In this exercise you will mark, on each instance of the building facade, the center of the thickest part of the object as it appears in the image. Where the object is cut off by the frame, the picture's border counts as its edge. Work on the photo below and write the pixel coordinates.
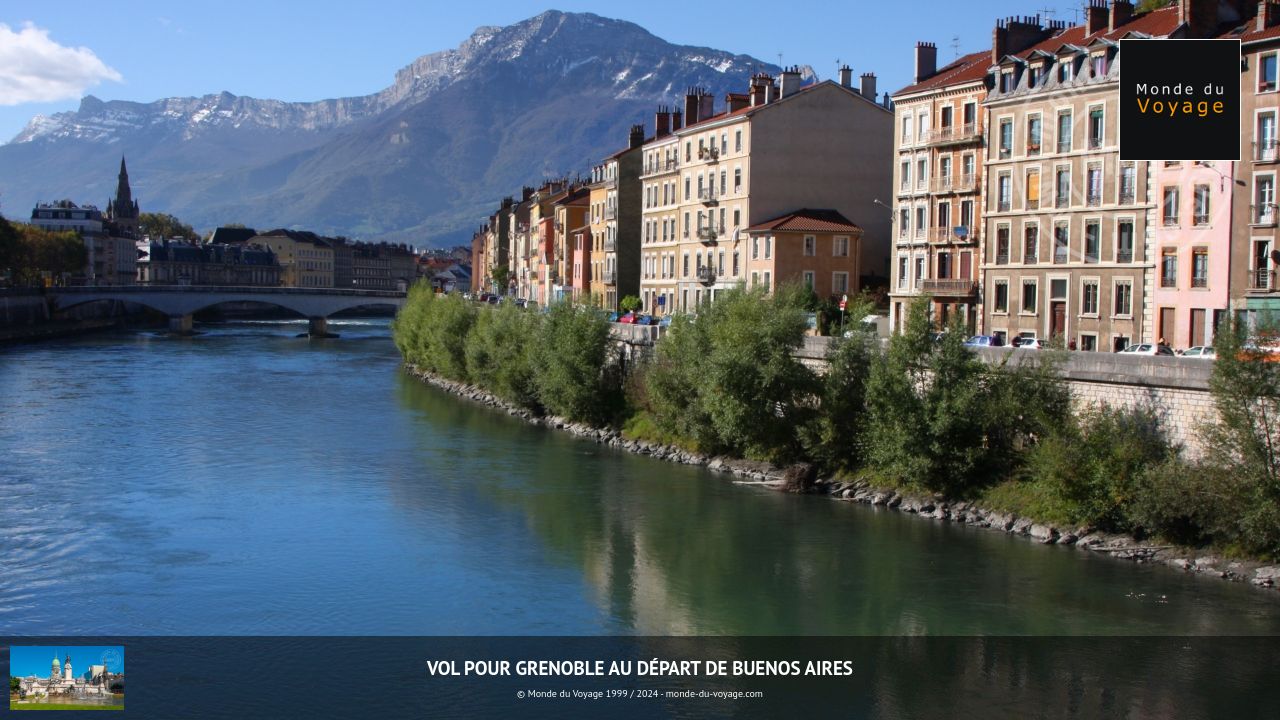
(818, 248)
(172, 262)
(306, 260)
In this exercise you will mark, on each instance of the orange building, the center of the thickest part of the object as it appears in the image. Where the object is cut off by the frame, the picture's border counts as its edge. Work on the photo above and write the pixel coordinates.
(819, 248)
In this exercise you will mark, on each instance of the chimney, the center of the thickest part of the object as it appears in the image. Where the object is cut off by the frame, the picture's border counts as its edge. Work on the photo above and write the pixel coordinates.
(868, 88)
(677, 120)
(1095, 16)
(691, 106)
(526, 193)
(926, 60)
(759, 82)
(1015, 34)
(1121, 11)
(636, 139)
(770, 92)
(662, 122)
(1268, 14)
(735, 101)
(846, 76)
(790, 81)
(706, 104)
(1200, 17)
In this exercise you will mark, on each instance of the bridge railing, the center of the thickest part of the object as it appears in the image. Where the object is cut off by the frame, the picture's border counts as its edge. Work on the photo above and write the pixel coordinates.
(236, 289)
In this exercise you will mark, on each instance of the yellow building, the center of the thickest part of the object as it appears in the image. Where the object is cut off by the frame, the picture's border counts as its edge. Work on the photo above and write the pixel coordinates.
(305, 259)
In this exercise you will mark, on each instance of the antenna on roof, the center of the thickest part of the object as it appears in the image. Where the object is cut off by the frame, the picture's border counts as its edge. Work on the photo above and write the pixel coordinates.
(955, 45)
(780, 59)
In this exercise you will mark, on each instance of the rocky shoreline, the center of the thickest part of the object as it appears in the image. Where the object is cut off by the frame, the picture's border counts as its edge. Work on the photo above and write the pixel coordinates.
(801, 478)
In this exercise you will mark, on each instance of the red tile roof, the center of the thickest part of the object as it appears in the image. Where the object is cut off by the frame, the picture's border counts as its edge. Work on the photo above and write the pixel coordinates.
(807, 220)
(966, 69)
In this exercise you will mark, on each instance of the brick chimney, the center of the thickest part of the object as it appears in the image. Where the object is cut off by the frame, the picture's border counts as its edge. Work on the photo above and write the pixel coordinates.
(1015, 34)
(736, 101)
(1200, 17)
(846, 76)
(868, 87)
(789, 81)
(636, 138)
(1096, 16)
(926, 60)
(759, 82)
(692, 104)
(1268, 15)
(677, 120)
(706, 104)
(1121, 11)
(662, 122)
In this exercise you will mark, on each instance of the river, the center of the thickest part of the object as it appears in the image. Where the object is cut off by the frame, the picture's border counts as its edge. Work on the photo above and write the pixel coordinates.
(249, 482)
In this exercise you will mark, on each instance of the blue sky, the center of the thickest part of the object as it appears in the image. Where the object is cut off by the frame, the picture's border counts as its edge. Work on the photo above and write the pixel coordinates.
(37, 660)
(51, 54)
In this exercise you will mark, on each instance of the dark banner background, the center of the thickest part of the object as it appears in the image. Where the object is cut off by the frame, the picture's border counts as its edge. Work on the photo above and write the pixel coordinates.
(893, 677)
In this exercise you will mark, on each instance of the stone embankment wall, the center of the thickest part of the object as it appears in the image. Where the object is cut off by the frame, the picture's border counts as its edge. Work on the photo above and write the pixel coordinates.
(1176, 388)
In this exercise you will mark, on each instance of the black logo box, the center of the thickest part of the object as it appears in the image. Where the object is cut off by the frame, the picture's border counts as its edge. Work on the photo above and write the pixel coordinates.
(1190, 65)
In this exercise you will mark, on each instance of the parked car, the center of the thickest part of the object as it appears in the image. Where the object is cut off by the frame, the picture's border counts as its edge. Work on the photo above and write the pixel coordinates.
(1205, 352)
(628, 319)
(664, 321)
(1028, 343)
(1147, 349)
(984, 341)
(614, 317)
(645, 320)
(494, 299)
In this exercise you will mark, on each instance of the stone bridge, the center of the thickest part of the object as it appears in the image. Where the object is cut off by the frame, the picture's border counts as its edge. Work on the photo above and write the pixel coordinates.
(180, 302)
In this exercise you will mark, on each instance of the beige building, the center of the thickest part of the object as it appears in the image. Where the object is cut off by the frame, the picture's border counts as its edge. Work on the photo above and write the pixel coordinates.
(937, 179)
(593, 274)
(776, 149)
(305, 259)
(1255, 287)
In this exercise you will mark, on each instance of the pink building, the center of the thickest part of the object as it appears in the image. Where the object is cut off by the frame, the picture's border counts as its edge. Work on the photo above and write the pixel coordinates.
(1191, 250)
(581, 267)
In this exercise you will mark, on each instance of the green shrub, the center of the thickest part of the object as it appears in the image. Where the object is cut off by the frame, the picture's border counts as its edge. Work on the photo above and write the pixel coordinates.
(569, 364)
(410, 322)
(1098, 463)
(446, 321)
(499, 352)
(836, 437)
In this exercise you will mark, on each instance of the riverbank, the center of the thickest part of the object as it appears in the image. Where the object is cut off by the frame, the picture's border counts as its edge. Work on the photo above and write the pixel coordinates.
(54, 329)
(935, 507)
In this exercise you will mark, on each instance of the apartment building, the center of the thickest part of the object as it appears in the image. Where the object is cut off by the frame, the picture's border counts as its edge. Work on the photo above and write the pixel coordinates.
(518, 244)
(774, 150)
(1255, 252)
(622, 219)
(819, 248)
(937, 179)
(305, 259)
(659, 180)
(595, 235)
(570, 210)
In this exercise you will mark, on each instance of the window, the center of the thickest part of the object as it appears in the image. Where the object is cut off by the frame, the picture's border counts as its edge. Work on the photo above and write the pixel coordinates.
(737, 217)
(1002, 296)
(1002, 245)
(1033, 135)
(944, 266)
(906, 129)
(766, 281)
(808, 279)
(1088, 342)
(902, 272)
(1124, 298)
(1029, 290)
(904, 222)
(737, 180)
(1062, 193)
(1032, 200)
(944, 217)
(1170, 206)
(840, 246)
(966, 215)
(1031, 244)
(1004, 190)
(922, 221)
(768, 247)
(1064, 132)
(1089, 297)
(810, 245)
(1168, 268)
(1267, 72)
(1092, 240)
(1006, 138)
(737, 141)
(1061, 243)
(1096, 132)
(1128, 183)
(735, 263)
(922, 173)
(1006, 81)
(686, 264)
(1200, 268)
(905, 182)
(1265, 200)
(919, 269)
(1093, 185)
(686, 187)
(1124, 241)
(970, 116)
(1202, 205)
(1064, 71)
(1033, 75)
(1099, 63)
(839, 283)
(944, 170)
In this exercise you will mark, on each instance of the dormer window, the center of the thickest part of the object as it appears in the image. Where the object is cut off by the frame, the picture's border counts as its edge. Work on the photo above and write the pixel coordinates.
(1034, 73)
(1099, 63)
(1006, 81)
(1064, 70)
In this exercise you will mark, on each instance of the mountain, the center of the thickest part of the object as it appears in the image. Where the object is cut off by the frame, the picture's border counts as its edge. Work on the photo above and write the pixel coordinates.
(421, 161)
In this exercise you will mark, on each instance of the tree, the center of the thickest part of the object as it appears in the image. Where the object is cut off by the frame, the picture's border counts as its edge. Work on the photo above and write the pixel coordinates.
(501, 276)
(499, 352)
(838, 434)
(569, 364)
(630, 303)
(162, 226)
(14, 684)
(9, 246)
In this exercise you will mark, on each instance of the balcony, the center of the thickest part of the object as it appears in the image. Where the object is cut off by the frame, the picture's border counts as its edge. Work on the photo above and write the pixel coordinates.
(1265, 152)
(1126, 196)
(1030, 256)
(1064, 146)
(1199, 219)
(706, 274)
(1261, 280)
(951, 288)
(1093, 200)
(1124, 255)
(1263, 214)
(610, 212)
(1061, 201)
(1002, 258)
(948, 235)
(1060, 256)
(953, 135)
(709, 233)
(1005, 153)
(1033, 149)
(609, 277)
(1003, 205)
(610, 244)
(708, 196)
(710, 154)
(1032, 203)
(1199, 281)
(1095, 143)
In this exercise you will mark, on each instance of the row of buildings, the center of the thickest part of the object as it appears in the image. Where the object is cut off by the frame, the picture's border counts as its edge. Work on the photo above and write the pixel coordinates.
(1004, 195)
(120, 254)
(1016, 213)
(777, 183)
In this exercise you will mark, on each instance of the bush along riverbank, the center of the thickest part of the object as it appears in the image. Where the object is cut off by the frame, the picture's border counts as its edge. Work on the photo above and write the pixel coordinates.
(923, 427)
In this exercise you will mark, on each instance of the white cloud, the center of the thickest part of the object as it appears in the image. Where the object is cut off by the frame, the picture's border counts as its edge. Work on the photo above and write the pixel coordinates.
(34, 68)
